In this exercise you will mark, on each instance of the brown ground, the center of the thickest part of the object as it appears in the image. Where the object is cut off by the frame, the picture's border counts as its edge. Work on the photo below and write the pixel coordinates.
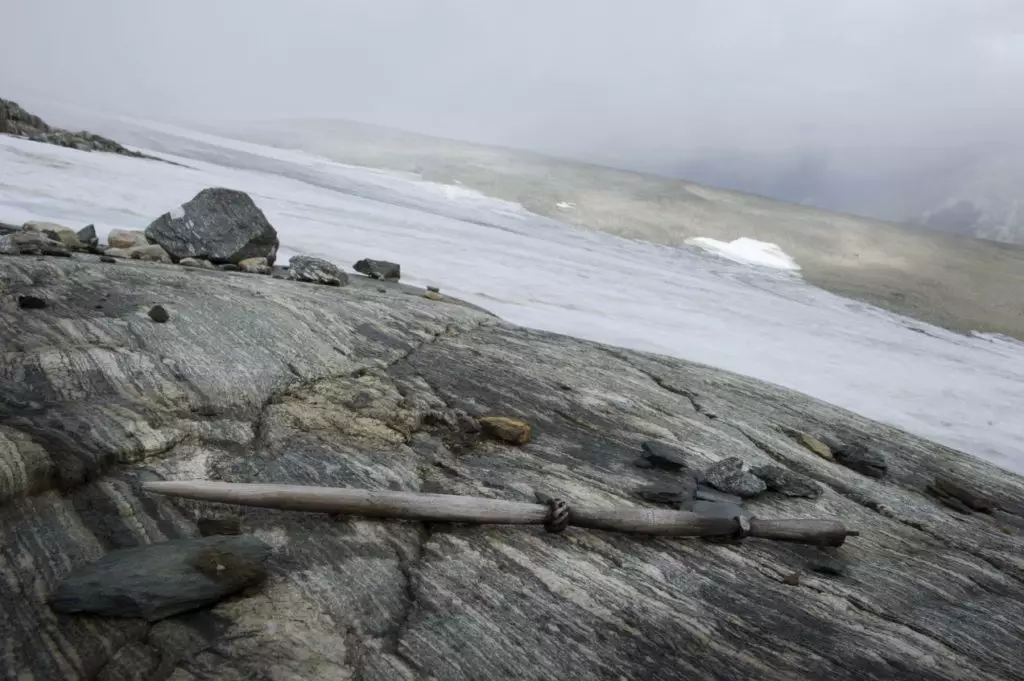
(959, 283)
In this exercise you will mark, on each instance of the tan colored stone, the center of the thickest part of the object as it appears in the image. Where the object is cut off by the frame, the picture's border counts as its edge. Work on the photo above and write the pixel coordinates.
(431, 295)
(255, 266)
(126, 238)
(512, 431)
(810, 442)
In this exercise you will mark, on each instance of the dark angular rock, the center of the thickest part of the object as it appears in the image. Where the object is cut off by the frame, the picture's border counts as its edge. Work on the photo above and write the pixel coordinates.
(434, 289)
(210, 527)
(160, 580)
(664, 456)
(87, 235)
(715, 509)
(31, 302)
(107, 258)
(220, 225)
(670, 495)
(316, 271)
(861, 459)
(731, 476)
(944, 486)
(159, 314)
(705, 493)
(827, 565)
(785, 481)
(379, 269)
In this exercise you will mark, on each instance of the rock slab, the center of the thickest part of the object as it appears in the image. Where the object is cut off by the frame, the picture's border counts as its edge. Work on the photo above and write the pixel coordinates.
(220, 225)
(316, 271)
(160, 580)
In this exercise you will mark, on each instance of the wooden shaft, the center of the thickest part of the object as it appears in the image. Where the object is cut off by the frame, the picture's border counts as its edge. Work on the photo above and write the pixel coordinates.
(460, 509)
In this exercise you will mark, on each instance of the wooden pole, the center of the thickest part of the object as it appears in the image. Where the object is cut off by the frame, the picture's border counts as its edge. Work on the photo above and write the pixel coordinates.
(460, 509)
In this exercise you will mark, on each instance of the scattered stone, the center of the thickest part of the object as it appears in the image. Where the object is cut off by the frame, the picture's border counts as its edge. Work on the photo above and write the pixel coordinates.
(159, 314)
(861, 459)
(785, 481)
(316, 271)
(670, 495)
(512, 431)
(946, 487)
(430, 295)
(31, 302)
(381, 289)
(664, 456)
(87, 235)
(433, 289)
(152, 253)
(32, 243)
(792, 579)
(107, 258)
(217, 224)
(126, 238)
(209, 527)
(160, 580)
(197, 263)
(255, 266)
(732, 477)
(379, 269)
(56, 233)
(714, 509)
(229, 267)
(827, 565)
(705, 493)
(809, 442)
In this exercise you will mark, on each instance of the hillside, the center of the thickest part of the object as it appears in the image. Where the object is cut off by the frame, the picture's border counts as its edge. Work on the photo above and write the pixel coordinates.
(947, 279)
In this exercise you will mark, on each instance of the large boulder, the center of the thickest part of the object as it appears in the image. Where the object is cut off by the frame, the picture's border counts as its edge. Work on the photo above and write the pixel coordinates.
(56, 232)
(379, 269)
(32, 243)
(219, 225)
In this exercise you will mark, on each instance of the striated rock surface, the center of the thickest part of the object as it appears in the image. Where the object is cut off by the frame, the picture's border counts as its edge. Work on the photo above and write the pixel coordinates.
(261, 380)
(217, 224)
(316, 271)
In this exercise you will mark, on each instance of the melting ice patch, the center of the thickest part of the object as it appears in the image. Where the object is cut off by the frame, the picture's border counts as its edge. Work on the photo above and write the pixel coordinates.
(747, 251)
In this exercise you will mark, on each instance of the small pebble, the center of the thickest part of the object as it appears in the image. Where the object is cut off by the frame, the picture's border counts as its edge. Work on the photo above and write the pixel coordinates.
(792, 579)
(107, 258)
(433, 289)
(381, 289)
(31, 303)
(432, 295)
(158, 314)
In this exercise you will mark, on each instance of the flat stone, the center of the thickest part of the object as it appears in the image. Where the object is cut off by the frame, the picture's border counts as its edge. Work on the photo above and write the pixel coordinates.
(255, 266)
(945, 486)
(126, 238)
(861, 459)
(785, 481)
(670, 495)
(705, 493)
(197, 263)
(31, 302)
(664, 456)
(512, 431)
(827, 565)
(107, 258)
(218, 224)
(316, 271)
(714, 509)
(151, 253)
(209, 527)
(159, 314)
(732, 477)
(809, 442)
(157, 581)
(379, 269)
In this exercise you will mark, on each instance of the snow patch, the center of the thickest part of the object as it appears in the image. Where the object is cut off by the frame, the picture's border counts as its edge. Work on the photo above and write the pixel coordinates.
(747, 251)
(177, 213)
(565, 205)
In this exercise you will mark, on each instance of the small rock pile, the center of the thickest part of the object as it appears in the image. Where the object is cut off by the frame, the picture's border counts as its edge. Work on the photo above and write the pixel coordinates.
(15, 121)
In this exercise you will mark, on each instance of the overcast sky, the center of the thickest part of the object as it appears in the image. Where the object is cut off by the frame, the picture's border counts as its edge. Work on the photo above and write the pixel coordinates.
(643, 81)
